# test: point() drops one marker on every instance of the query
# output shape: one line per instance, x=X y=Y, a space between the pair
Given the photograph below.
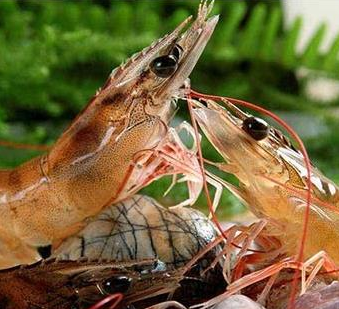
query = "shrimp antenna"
x=113 y=300
x=202 y=168
x=304 y=153
x=16 y=145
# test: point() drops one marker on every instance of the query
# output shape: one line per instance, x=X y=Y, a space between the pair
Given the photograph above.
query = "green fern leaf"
x=270 y=35
x=311 y=54
x=289 y=48
x=253 y=30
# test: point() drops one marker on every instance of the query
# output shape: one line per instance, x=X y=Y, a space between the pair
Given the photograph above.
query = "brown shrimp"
x=78 y=284
x=89 y=167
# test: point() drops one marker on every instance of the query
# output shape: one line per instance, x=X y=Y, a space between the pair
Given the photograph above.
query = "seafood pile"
x=75 y=233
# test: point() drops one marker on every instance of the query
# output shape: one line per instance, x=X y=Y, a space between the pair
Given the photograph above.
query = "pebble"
x=238 y=302
x=323 y=298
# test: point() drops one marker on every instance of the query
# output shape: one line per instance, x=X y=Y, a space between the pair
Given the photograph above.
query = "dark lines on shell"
x=169 y=235
x=130 y=233
x=133 y=230
x=116 y=221
x=83 y=246
x=149 y=232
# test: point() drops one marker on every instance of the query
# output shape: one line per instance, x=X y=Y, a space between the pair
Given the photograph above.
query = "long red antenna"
x=17 y=145
x=202 y=168
x=307 y=165
x=112 y=300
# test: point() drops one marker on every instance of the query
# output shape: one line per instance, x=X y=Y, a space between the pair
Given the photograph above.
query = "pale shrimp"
x=273 y=184
x=91 y=166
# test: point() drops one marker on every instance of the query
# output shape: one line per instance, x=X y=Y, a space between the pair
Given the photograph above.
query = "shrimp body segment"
x=48 y=198
x=272 y=179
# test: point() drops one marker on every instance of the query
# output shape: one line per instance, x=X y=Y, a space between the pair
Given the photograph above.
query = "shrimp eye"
x=164 y=66
x=256 y=128
x=116 y=285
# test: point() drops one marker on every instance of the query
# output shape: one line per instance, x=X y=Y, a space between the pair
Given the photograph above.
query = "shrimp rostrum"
x=273 y=183
x=89 y=167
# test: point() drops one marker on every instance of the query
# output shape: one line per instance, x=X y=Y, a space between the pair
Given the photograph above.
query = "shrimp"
x=273 y=183
x=78 y=284
x=90 y=167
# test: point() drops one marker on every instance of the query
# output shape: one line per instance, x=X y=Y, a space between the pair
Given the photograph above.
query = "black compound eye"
x=164 y=66
x=116 y=285
x=256 y=128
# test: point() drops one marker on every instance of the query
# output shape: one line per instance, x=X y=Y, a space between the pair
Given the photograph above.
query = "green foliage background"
x=55 y=54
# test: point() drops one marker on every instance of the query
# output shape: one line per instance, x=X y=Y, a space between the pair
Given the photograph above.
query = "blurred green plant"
x=55 y=54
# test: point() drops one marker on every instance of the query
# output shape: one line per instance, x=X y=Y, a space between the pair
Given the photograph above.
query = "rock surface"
x=238 y=302
x=323 y=298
